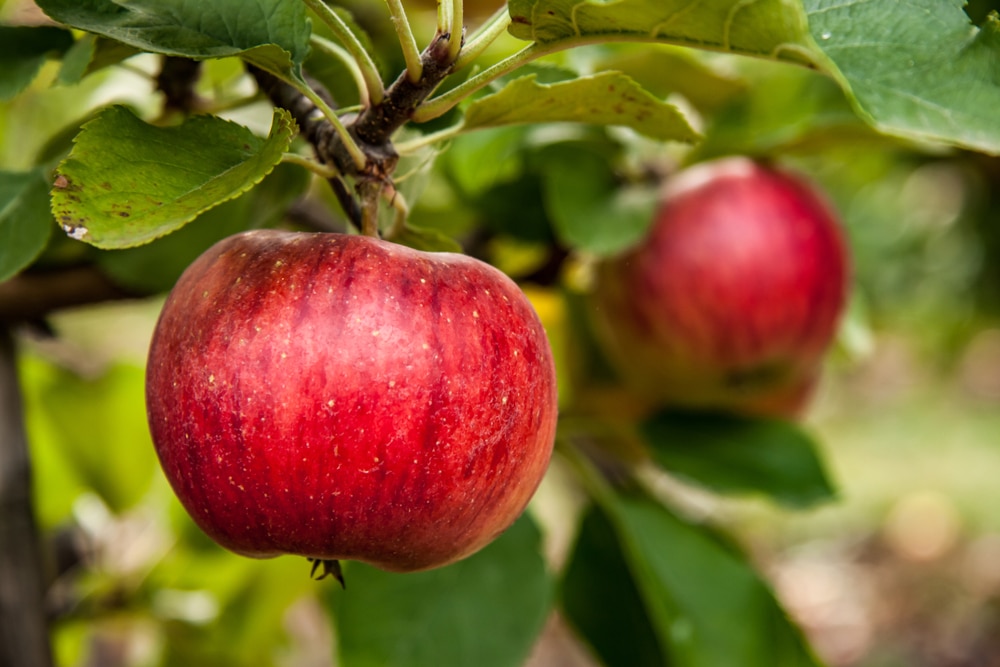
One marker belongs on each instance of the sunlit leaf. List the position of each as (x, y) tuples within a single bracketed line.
[(769, 28), (126, 182), (608, 98)]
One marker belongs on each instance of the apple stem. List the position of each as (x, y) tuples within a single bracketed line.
[(369, 190), (331, 568)]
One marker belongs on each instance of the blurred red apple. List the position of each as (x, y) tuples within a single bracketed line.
[(342, 397), (734, 298)]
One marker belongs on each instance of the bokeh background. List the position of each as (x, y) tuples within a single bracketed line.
[(902, 570)]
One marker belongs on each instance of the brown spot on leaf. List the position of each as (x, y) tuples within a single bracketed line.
[(61, 182)]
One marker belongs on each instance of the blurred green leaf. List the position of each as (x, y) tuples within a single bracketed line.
[(156, 266), (23, 51), (920, 69), (735, 454), (591, 209), (224, 610), (89, 54), (769, 28), (486, 610), (663, 70), (597, 580), (477, 161), (706, 605), (25, 220), (98, 427), (428, 240), (607, 98), (272, 34), (785, 110), (126, 182)]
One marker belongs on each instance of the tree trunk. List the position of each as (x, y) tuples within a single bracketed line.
[(24, 640)]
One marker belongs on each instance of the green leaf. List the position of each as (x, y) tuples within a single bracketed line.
[(23, 51), (486, 610), (126, 182), (705, 603), (786, 109), (919, 69), (597, 579), (768, 28), (734, 454), (98, 425), (608, 98), (663, 70), (590, 208), (25, 220), (156, 266), (89, 54), (425, 239), (272, 34)]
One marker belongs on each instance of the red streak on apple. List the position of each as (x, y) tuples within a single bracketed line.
[(342, 397), (733, 299)]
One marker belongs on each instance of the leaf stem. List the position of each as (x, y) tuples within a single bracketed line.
[(482, 38), (412, 146), (401, 210), (373, 81), (441, 104), (341, 54), (321, 170), (456, 30), (357, 155), (411, 52), (590, 477)]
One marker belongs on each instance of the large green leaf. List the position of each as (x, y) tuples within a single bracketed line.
[(918, 68), (23, 50), (767, 28), (126, 182), (486, 610), (608, 98), (706, 605), (734, 454), (598, 579), (25, 221), (273, 34)]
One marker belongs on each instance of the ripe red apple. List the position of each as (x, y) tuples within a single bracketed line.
[(342, 397), (733, 299)]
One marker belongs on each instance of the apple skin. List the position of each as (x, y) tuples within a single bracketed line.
[(342, 397), (733, 299)]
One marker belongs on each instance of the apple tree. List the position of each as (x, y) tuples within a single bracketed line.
[(531, 151)]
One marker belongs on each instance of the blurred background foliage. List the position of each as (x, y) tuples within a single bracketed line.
[(903, 569)]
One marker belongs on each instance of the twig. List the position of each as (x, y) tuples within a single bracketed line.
[(31, 296), (24, 640)]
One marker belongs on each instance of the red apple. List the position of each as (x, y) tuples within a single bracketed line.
[(342, 397), (733, 299)]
